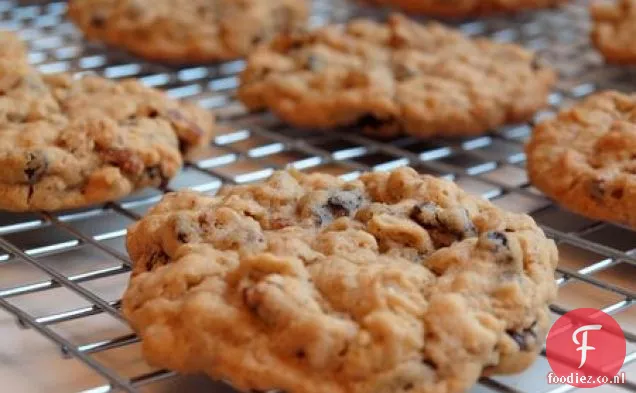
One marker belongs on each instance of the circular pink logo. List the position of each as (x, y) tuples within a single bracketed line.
[(585, 348)]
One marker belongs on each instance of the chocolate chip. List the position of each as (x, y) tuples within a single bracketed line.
[(154, 173), (343, 203), (183, 237), (445, 226), (36, 166), (519, 338), (157, 258), (339, 204), (429, 363), (497, 243), (498, 238), (300, 354), (618, 193), (408, 386), (525, 337), (425, 214)]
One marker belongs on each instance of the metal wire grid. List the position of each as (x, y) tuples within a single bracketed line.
[(597, 258)]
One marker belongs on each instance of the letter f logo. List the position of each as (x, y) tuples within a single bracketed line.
[(584, 347)]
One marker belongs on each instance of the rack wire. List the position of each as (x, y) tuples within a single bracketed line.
[(68, 268)]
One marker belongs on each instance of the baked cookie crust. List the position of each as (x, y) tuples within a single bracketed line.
[(585, 158), (614, 30), (395, 77), (193, 31), (397, 282)]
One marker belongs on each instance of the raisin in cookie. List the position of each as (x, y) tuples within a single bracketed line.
[(399, 76), (614, 30), (396, 282), (585, 158), (463, 8), (69, 142), (187, 31)]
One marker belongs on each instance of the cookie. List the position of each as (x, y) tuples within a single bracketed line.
[(69, 142), (464, 8), (192, 31), (397, 282), (13, 60), (395, 77), (614, 30), (12, 47), (585, 158)]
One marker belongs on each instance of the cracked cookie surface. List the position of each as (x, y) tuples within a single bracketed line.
[(69, 142), (585, 158), (394, 77), (464, 8), (190, 31), (397, 282), (614, 30)]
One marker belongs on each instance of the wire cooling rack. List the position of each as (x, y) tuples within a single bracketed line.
[(61, 274)]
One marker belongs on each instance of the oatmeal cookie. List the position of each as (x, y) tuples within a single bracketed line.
[(190, 31), (399, 76), (69, 142), (397, 282), (614, 30), (585, 158)]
